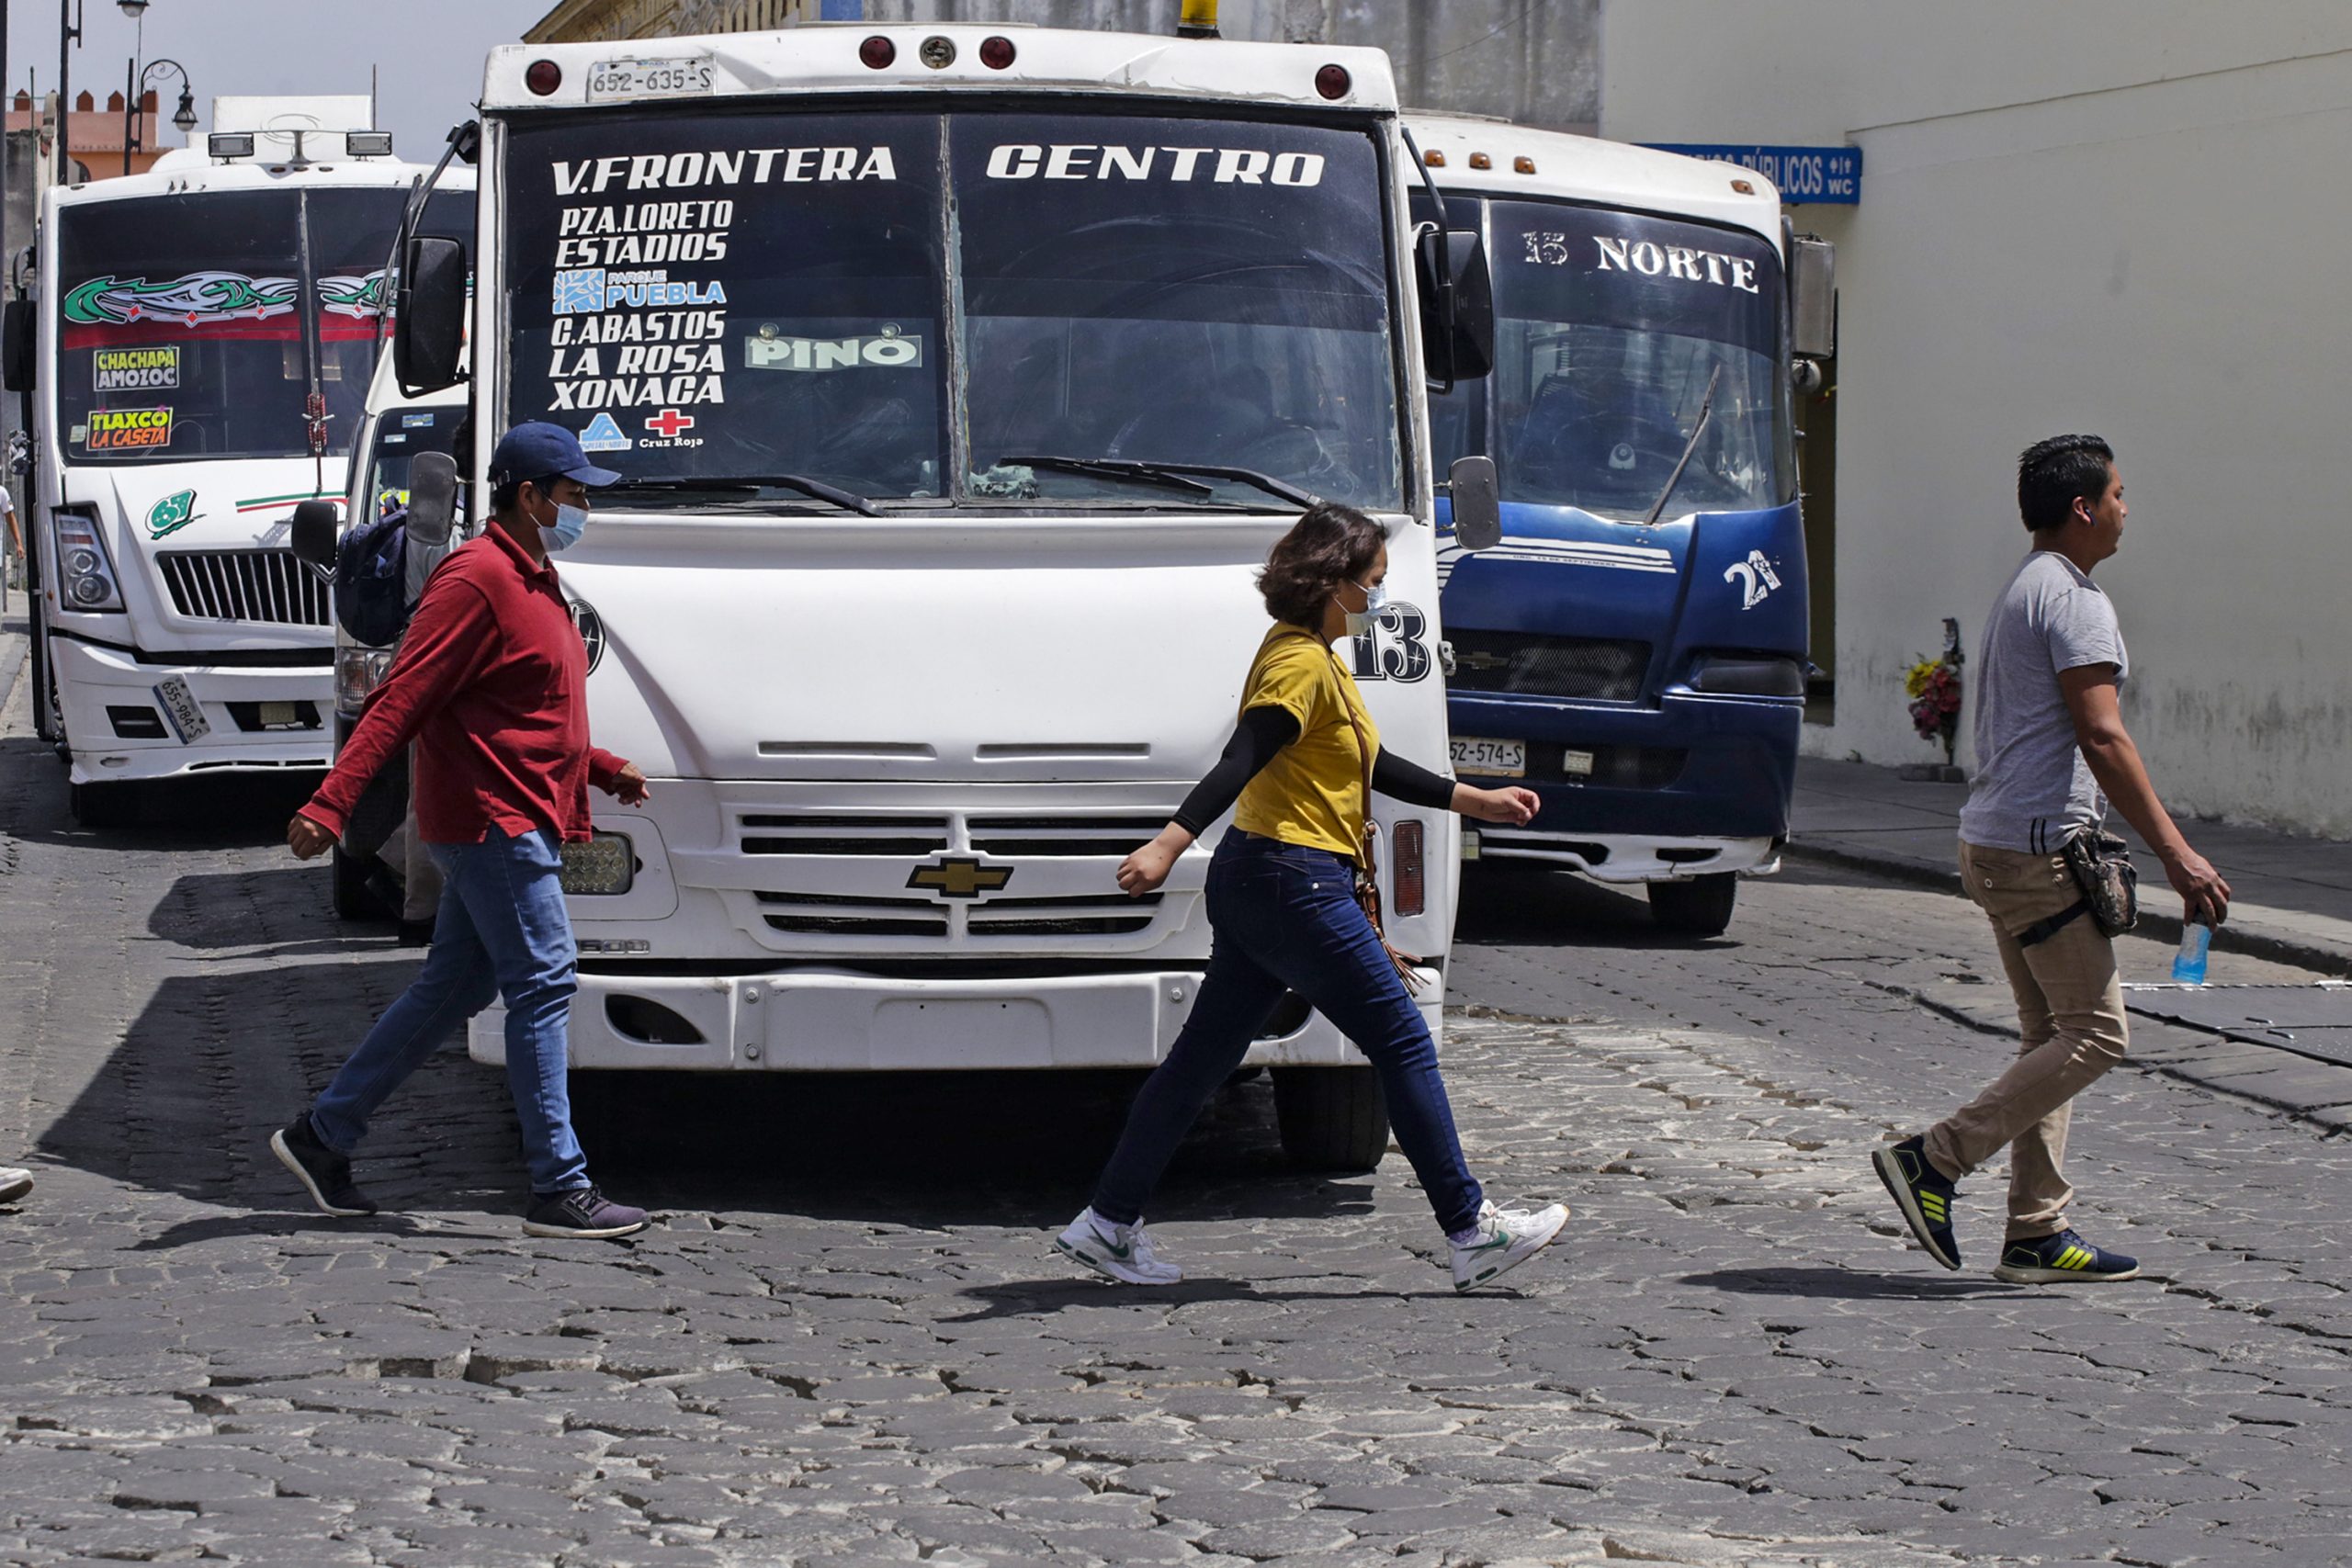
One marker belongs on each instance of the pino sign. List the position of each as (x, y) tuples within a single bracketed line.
[(1831, 174)]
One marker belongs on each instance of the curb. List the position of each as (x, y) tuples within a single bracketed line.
[(2229, 939), (13, 647)]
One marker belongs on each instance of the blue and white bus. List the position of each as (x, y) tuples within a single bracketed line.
[(1635, 649)]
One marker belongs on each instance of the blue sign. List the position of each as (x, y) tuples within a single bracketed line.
[(1803, 174)]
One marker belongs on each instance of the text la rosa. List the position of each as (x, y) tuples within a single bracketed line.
[(669, 374)]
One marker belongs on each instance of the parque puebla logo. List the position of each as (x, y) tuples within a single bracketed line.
[(171, 515)]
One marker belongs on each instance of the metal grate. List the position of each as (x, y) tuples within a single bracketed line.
[(813, 833), (1062, 836), (1608, 669), (269, 587)]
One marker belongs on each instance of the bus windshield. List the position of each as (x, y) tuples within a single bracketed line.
[(183, 330), (1609, 327), (723, 298)]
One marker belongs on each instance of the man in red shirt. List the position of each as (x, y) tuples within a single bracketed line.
[(490, 686)]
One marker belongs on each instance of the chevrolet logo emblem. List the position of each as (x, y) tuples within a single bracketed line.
[(959, 877)]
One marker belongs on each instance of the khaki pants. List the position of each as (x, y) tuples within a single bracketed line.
[(2071, 1024)]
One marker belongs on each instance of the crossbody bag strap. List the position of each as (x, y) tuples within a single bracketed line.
[(1368, 844)]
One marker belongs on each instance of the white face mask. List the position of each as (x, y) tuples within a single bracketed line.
[(1375, 599)]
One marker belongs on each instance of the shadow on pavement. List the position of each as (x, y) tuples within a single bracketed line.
[(215, 909), (214, 1062), (1024, 1298), (1847, 1284), (206, 811), (1506, 904)]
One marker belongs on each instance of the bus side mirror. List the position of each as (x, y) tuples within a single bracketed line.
[(1813, 298), (429, 330), (431, 497), (17, 330), (1477, 504), (312, 535), (1457, 300)]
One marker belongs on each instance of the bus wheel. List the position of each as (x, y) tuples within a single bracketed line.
[(114, 804), (1331, 1118), (1701, 907)]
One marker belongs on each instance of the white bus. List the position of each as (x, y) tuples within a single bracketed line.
[(198, 347), (960, 379)]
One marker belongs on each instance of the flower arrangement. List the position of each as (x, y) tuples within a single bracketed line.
[(1933, 686)]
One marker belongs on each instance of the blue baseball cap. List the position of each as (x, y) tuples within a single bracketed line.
[(537, 450)]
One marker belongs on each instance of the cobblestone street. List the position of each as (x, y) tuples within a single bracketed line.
[(845, 1341)]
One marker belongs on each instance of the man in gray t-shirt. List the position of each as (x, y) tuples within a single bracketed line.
[(2051, 751), (2032, 789)]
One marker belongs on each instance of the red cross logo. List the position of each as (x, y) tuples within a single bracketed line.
[(668, 423)]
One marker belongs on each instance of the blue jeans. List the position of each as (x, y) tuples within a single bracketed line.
[(501, 930), (1285, 918)]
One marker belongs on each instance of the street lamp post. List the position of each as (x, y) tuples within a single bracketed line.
[(69, 32), (183, 116)]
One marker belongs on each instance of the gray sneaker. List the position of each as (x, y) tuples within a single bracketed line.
[(15, 1182)]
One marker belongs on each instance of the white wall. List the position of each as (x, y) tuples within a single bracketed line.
[(2133, 219)]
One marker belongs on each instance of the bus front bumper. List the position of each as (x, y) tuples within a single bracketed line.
[(117, 728), (808, 1019)]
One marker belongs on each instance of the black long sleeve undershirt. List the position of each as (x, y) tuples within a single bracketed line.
[(1266, 731)]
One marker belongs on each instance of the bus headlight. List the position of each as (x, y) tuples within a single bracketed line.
[(1747, 675), (85, 578), (605, 864), (357, 671)]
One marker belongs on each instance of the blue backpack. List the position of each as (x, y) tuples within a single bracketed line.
[(372, 579)]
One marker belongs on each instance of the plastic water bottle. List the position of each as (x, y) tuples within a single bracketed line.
[(2189, 963)]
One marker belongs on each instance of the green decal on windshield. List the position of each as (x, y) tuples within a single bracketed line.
[(347, 296), (171, 515), (198, 297)]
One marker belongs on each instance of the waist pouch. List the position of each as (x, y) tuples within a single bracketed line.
[(2101, 866)]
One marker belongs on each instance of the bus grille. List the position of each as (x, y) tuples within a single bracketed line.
[(1607, 669), (266, 586)]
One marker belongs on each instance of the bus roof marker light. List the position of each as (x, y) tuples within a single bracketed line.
[(1480, 161), (996, 53), (1333, 82), (938, 52), (544, 77), (877, 51), (1523, 165), (1744, 188), (1433, 158), (229, 144)]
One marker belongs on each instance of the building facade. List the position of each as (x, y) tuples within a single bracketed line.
[(2118, 216)]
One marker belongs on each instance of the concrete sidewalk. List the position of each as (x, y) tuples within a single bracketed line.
[(2292, 896)]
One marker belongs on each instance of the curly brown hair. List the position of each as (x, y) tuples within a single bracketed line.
[(1328, 544)]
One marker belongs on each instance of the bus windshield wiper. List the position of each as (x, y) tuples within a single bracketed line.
[(749, 488), (1706, 406), (1172, 476)]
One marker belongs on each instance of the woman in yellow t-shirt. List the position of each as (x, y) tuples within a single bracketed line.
[(1283, 915)]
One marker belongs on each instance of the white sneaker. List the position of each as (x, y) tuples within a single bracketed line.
[(1506, 1238), (1121, 1252), (14, 1183)]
